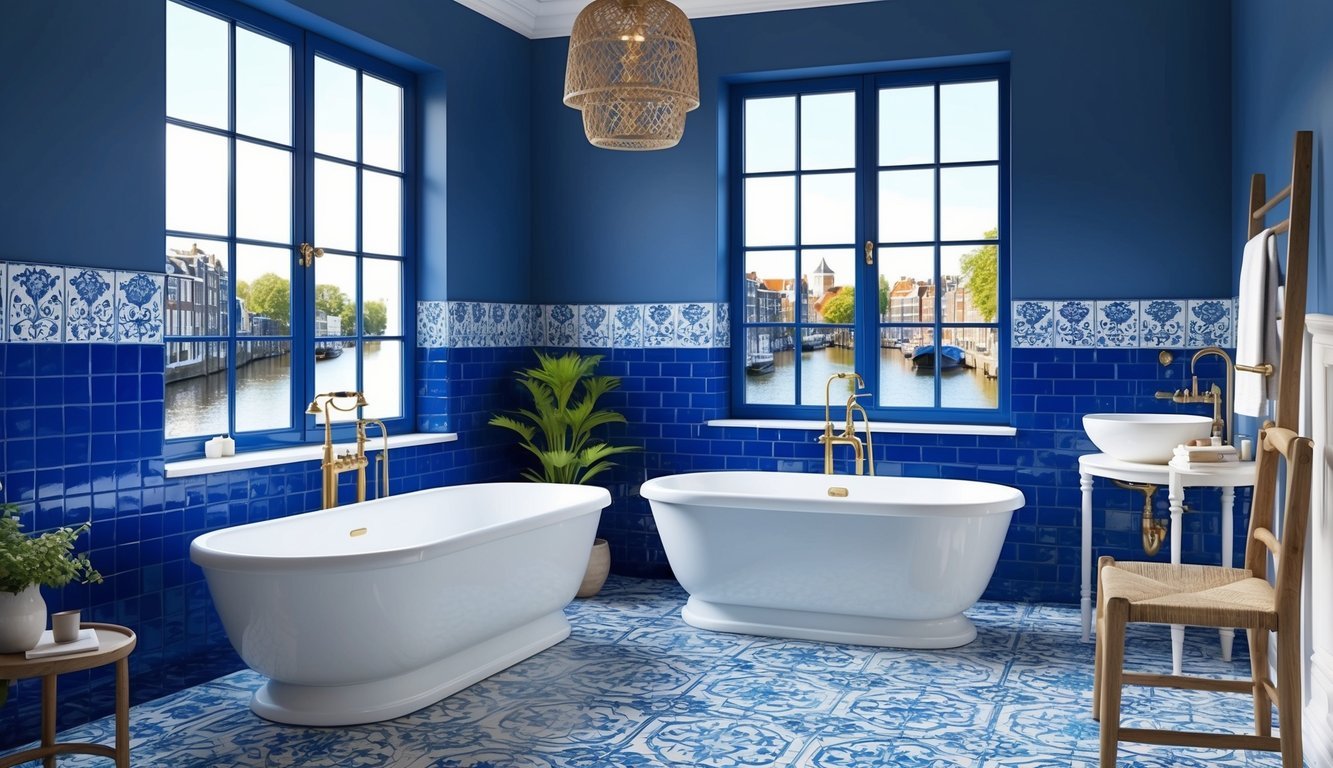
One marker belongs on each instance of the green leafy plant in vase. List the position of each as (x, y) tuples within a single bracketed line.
[(26, 564), (558, 428)]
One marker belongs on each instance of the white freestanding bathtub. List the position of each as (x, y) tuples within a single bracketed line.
[(370, 611), (887, 561)]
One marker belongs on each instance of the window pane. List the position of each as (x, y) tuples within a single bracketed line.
[(770, 134), (383, 305), (382, 123), (263, 87), (263, 385), (907, 125), (335, 206), (335, 109), (197, 181), (969, 122), (196, 389), (906, 206), (263, 290), (906, 277), (770, 211), (970, 381), (382, 213), (336, 364), (384, 379), (770, 286), (829, 278), (973, 273), (263, 193), (901, 384), (969, 202), (824, 353), (335, 297), (197, 287), (828, 209), (770, 366), (828, 131), (197, 66)]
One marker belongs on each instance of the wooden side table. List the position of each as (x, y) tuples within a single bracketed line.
[(115, 643)]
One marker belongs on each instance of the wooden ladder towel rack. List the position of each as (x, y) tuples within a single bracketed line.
[(1297, 227)]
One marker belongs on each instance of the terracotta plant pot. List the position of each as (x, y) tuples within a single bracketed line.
[(599, 565)]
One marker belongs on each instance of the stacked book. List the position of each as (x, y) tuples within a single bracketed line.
[(1203, 457)]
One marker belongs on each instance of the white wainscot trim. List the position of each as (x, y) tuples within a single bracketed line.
[(295, 454), (886, 427), (1318, 617)]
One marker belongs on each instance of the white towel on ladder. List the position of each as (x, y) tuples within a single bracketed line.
[(1260, 309)]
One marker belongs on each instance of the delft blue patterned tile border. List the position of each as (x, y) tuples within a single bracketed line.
[(692, 324), (54, 303), (1124, 323)]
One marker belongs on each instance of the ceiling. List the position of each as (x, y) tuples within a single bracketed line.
[(554, 18)]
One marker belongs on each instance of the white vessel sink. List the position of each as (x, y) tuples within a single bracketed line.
[(1147, 438)]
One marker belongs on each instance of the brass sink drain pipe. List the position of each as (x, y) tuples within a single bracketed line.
[(1154, 530)]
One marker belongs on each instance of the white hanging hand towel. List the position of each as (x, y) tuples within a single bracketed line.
[(1257, 324)]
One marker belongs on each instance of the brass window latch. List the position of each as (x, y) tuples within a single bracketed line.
[(308, 254)]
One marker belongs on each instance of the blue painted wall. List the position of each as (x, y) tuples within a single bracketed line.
[(82, 155), (1120, 152), (1282, 82)]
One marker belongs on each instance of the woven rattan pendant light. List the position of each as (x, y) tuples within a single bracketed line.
[(633, 71)]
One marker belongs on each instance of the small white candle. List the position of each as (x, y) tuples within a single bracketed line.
[(1246, 449)]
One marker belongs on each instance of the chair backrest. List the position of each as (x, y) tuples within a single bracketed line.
[(1275, 444)]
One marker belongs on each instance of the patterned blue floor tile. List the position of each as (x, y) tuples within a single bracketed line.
[(634, 687)]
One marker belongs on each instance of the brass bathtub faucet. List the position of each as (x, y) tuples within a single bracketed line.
[(333, 465), (848, 436)]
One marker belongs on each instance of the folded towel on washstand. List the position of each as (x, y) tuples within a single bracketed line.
[(1257, 339)]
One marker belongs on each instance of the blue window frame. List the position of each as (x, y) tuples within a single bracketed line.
[(289, 221), (868, 230)]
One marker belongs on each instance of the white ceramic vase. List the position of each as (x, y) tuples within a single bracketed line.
[(22, 619), (599, 565)]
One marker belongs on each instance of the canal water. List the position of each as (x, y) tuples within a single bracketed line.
[(901, 386)]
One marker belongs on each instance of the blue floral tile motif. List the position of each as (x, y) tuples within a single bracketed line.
[(495, 326), (514, 329), (36, 302), (90, 306), (659, 325), (139, 307), (594, 325), (627, 326), (1117, 324), (459, 323), (1074, 324), (478, 317), (1162, 323), (562, 325), (722, 325), (695, 328), (534, 330), (432, 324), (4, 294), (1211, 323), (1034, 323)]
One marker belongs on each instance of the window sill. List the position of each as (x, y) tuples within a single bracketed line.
[(253, 459), (886, 427)]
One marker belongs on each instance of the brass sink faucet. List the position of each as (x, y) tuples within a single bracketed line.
[(848, 436), (332, 465), (1222, 422)]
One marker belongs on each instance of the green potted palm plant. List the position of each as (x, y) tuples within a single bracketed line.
[(28, 563), (558, 430)]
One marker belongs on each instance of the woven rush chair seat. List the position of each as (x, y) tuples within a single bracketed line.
[(1219, 596), (1198, 595)]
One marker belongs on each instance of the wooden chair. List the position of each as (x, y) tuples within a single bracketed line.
[(1218, 596)]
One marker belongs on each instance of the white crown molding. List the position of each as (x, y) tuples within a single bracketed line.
[(554, 18)]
